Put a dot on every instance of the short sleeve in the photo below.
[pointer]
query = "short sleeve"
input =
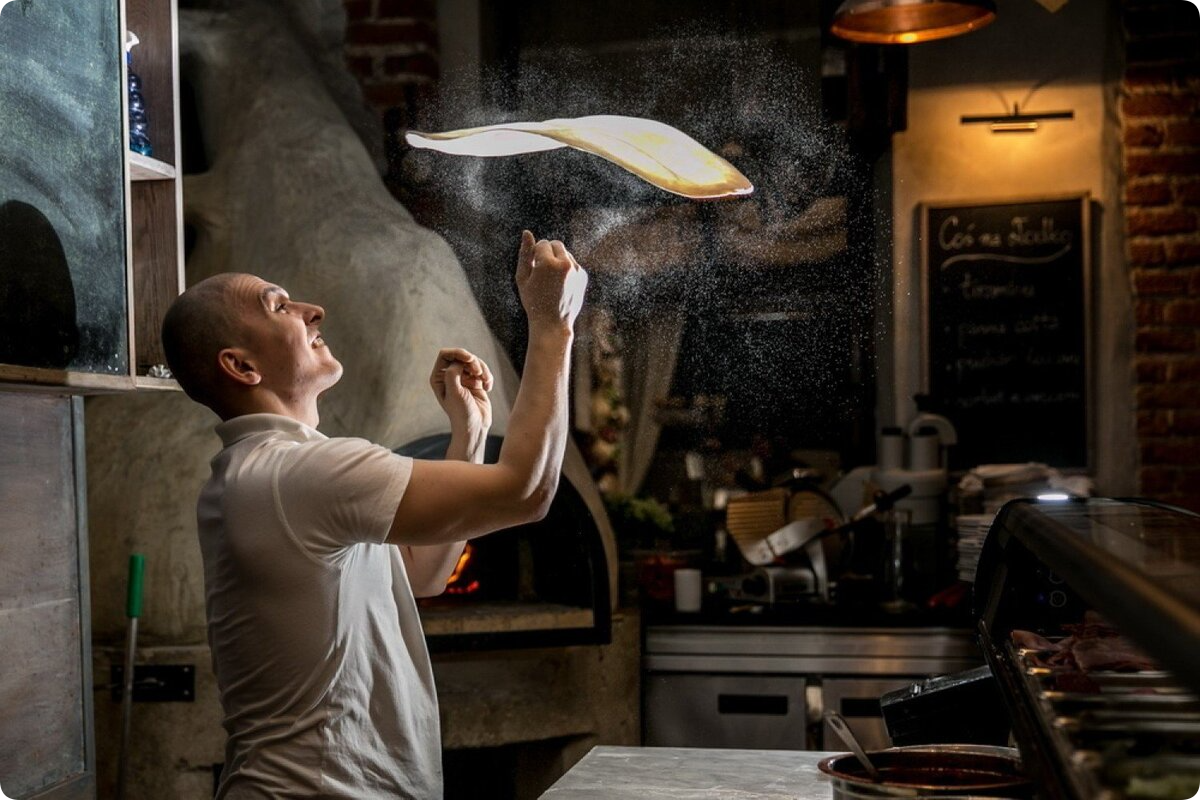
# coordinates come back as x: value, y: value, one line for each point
x: 337, y: 492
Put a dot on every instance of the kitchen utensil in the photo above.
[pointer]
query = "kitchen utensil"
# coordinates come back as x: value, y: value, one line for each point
x: 839, y: 726
x: 133, y: 610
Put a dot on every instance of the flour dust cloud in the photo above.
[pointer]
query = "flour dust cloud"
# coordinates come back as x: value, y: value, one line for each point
x: 776, y: 290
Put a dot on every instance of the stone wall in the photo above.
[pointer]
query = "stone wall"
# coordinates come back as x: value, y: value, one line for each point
x: 1159, y: 107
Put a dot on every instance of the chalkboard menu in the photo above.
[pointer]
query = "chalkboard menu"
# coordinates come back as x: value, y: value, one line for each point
x: 1005, y: 328
x: 62, y: 188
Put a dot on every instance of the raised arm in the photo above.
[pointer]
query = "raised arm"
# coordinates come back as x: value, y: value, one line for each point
x: 448, y: 501
x: 460, y: 381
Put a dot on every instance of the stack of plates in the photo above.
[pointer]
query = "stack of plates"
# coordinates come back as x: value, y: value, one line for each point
x: 972, y: 530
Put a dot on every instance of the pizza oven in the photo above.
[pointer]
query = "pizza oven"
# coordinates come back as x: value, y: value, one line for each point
x: 538, y: 585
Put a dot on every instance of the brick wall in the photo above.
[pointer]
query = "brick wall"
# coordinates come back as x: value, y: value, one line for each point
x: 391, y: 46
x: 1160, y: 113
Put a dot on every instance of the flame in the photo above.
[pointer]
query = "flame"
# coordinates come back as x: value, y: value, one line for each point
x: 456, y: 575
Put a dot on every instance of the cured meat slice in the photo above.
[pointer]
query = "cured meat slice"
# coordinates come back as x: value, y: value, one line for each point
x: 1032, y: 641
x: 659, y: 154
x: 1110, y: 653
x: 1093, y: 645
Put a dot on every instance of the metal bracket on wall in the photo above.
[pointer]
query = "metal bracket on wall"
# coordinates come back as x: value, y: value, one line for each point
x: 156, y: 683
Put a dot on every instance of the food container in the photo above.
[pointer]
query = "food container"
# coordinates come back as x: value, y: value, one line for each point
x: 656, y: 573
x: 932, y: 770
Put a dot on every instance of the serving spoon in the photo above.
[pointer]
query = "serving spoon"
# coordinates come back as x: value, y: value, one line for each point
x: 838, y: 723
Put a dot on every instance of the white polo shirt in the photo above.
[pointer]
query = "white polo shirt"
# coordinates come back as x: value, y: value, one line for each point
x: 316, y: 643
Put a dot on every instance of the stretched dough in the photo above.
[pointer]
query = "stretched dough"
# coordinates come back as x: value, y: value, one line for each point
x: 657, y: 153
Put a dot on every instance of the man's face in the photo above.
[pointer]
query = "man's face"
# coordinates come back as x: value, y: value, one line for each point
x: 283, y: 338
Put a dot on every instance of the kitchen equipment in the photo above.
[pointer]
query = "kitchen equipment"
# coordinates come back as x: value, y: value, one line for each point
x: 891, y: 447
x: 765, y: 686
x: 1096, y: 714
x: 811, y: 542
x: 834, y: 720
x: 927, y: 487
x: 772, y: 585
x: 770, y: 524
x: 943, y: 428
x: 931, y: 711
x: 929, y: 438
x: 931, y: 771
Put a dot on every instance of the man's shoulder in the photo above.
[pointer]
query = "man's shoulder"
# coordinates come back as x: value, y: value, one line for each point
x: 332, y: 456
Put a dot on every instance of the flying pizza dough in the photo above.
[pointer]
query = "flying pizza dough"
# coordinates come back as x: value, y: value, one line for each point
x: 656, y: 153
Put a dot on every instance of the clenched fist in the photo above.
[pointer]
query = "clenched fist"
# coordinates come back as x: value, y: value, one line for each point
x: 551, y: 283
x: 461, y: 381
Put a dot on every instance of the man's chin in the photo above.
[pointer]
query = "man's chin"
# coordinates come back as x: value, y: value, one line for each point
x: 334, y: 374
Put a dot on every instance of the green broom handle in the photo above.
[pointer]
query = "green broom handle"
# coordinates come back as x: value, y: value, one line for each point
x: 133, y: 599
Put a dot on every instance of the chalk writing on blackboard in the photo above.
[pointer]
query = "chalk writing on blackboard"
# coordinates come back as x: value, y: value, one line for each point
x: 1005, y: 323
x: 952, y: 238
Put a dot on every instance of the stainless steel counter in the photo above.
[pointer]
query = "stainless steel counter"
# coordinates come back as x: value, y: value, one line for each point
x: 676, y: 773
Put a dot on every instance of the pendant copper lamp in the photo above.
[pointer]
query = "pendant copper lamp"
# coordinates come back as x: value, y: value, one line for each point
x: 909, y: 21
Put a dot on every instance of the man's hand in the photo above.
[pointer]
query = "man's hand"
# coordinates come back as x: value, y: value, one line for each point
x: 448, y: 501
x: 551, y: 283
x: 461, y: 382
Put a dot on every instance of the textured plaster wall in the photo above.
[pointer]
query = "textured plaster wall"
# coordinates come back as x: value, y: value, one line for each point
x: 1074, y: 55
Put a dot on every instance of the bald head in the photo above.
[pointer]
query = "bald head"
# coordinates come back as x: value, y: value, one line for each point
x: 199, y: 324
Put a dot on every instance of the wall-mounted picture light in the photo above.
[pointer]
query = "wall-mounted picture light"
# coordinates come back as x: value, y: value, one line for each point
x: 1016, y: 122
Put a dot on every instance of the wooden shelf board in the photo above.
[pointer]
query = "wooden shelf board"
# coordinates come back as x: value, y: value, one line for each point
x: 57, y: 381
x: 146, y: 383
x: 144, y: 168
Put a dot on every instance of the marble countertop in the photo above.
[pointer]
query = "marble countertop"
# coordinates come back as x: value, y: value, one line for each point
x: 685, y: 773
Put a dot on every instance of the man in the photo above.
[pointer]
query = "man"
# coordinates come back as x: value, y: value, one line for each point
x: 314, y: 548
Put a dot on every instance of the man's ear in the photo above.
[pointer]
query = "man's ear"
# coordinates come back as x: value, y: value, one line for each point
x: 235, y: 362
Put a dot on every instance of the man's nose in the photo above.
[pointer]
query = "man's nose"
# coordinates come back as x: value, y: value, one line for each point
x: 313, y: 313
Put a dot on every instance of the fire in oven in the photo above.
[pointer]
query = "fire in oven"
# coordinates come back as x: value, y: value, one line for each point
x: 537, y: 585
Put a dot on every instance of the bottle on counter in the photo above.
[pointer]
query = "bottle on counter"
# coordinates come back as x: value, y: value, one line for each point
x: 139, y: 122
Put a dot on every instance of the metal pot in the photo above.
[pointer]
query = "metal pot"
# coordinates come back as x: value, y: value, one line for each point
x: 931, y: 770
